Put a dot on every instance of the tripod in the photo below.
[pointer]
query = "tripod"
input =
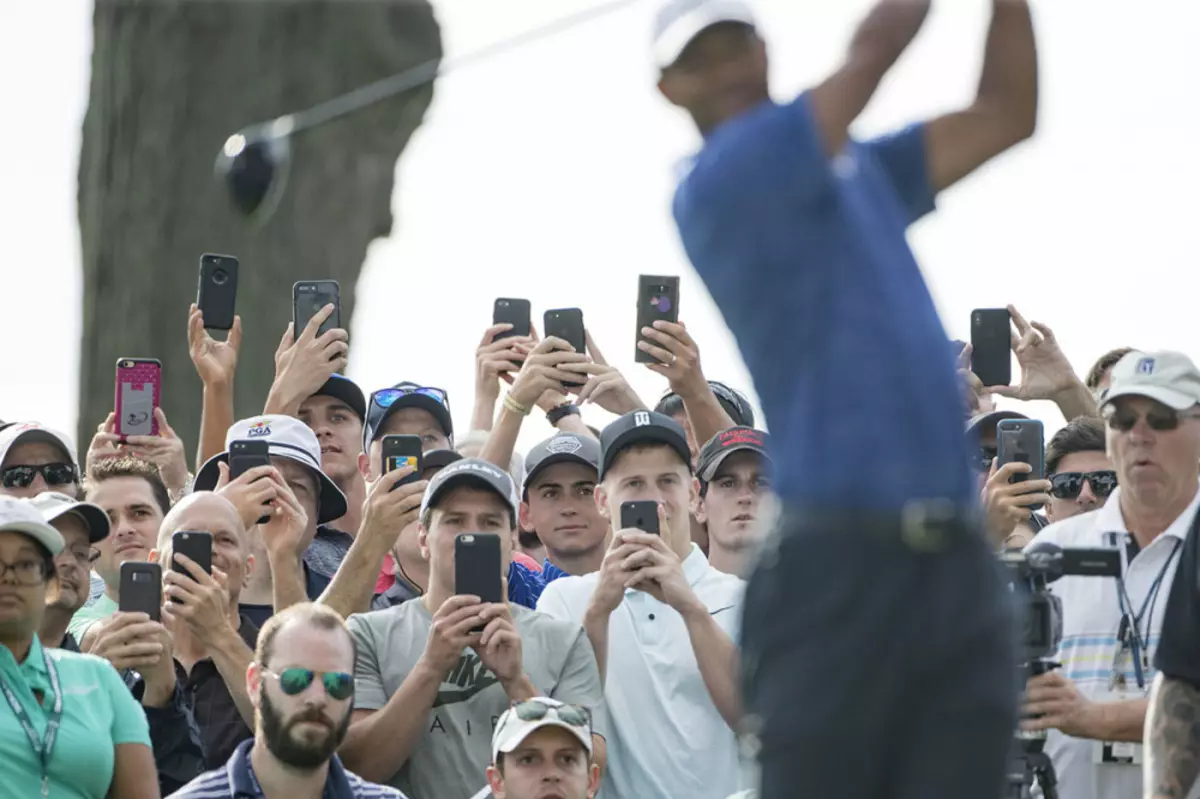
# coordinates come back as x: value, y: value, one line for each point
x: 1027, y: 760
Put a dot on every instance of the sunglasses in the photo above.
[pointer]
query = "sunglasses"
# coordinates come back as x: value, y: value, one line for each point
x: 1159, y: 419
x: 55, y: 474
x: 338, y: 684
x: 571, y: 715
x: 1067, y: 485
x: 386, y: 397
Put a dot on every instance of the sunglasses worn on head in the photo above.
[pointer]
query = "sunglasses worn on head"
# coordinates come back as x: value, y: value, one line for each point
x: 338, y: 684
x: 1159, y: 419
x: 535, y: 710
x: 386, y: 397
x: 1067, y: 485
x: 55, y: 474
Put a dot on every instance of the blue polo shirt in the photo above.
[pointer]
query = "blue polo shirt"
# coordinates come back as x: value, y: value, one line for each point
x: 807, y: 259
x: 236, y: 780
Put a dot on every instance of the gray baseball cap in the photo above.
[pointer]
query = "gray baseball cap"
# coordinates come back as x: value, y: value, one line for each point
x: 561, y: 448
x: 471, y: 471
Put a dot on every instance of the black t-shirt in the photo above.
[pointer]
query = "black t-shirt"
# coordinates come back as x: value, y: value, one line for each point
x: 1178, y: 653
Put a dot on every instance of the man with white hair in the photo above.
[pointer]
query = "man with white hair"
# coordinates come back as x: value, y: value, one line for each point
x: 1094, y: 707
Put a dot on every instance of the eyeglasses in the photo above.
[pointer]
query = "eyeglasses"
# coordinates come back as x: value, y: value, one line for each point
x: 338, y: 684
x: 571, y: 715
x: 1159, y: 419
x: 386, y: 397
x: 55, y: 474
x: 1067, y: 485
x: 27, y: 572
x: 982, y: 460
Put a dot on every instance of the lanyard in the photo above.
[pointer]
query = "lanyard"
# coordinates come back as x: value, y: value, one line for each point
x: 1129, y: 633
x: 44, y: 748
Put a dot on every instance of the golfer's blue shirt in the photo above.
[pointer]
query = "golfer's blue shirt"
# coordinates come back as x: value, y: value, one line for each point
x: 807, y: 259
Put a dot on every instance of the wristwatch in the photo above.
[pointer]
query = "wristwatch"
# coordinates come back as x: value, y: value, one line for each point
x: 556, y: 415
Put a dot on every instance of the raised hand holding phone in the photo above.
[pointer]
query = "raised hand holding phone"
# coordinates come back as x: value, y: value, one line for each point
x: 606, y: 385
x: 304, y: 361
x: 676, y: 357
x: 215, y: 361
x: 542, y: 372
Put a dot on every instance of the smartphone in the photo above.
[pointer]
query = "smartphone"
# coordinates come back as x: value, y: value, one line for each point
x: 139, y: 392
x: 658, y: 300
x: 477, y: 566
x: 991, y: 346
x: 1022, y: 440
x: 641, y: 515
x: 400, y: 451
x: 196, y: 545
x: 244, y: 456
x: 141, y: 589
x: 567, y: 324
x: 310, y: 296
x: 216, y: 295
x: 508, y: 310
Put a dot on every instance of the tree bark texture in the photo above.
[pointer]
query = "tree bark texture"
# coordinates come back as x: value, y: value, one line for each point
x: 171, y: 80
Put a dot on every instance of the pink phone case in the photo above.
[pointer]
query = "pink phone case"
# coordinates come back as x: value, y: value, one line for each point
x: 139, y: 387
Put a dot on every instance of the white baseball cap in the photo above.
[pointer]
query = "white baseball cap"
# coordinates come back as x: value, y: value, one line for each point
x: 1167, y: 377
x: 519, y: 721
x: 286, y: 437
x: 21, y: 516
x: 680, y: 21
x: 33, y: 431
x: 53, y: 504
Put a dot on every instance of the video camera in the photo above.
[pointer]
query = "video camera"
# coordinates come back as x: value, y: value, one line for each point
x: 1031, y: 573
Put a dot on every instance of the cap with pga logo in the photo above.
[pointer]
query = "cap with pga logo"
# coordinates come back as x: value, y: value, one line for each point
x: 562, y: 448
x: 680, y: 21
x: 471, y: 471
x: 1167, y: 377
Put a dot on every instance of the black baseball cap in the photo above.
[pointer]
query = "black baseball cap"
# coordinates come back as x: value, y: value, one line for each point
x: 561, y: 448
x: 471, y: 471
x: 642, y: 427
x: 439, y: 458
x: 346, y: 390
x: 725, y: 443
x: 386, y: 401
x: 732, y: 401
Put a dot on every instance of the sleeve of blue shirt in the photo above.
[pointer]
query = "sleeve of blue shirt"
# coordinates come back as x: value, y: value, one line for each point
x: 524, y: 585
x: 129, y: 724
x: 902, y: 156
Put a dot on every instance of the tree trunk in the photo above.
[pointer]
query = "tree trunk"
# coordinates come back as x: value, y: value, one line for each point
x: 170, y: 81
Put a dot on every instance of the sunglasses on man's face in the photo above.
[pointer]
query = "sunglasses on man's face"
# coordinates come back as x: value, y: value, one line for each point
x: 55, y: 474
x: 1159, y: 419
x: 338, y: 684
x: 1067, y: 485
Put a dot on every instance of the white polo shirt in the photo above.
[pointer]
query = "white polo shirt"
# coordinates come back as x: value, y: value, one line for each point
x: 1091, y: 620
x: 666, y: 739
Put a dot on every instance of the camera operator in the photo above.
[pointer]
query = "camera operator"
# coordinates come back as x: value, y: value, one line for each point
x: 1095, y: 706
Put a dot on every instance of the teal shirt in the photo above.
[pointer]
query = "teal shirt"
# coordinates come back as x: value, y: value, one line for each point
x: 85, y: 617
x: 98, y: 713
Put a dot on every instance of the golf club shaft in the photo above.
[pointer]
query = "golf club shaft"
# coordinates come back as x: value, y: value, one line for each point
x: 427, y: 72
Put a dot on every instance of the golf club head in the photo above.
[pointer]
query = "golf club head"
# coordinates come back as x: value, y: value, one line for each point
x: 254, y: 165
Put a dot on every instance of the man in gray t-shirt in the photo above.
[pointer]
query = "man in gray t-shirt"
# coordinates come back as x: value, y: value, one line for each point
x: 428, y: 691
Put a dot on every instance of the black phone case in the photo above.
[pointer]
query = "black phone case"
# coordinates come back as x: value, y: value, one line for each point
x: 141, y: 589
x: 395, y: 450
x: 516, y: 312
x: 196, y: 544
x: 216, y: 295
x: 658, y: 300
x: 246, y: 455
x: 641, y: 515
x: 991, y: 346
x: 477, y: 566
x: 310, y: 296
x: 567, y: 324
x: 1022, y: 440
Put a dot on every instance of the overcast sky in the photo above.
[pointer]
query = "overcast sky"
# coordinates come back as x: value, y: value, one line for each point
x: 547, y: 174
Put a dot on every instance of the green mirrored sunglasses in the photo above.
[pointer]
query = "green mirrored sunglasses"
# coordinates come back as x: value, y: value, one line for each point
x: 338, y: 684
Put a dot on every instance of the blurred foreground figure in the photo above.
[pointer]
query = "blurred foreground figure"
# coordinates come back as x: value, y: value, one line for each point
x: 876, y: 630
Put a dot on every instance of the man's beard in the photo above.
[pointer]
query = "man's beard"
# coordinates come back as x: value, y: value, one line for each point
x: 291, y: 751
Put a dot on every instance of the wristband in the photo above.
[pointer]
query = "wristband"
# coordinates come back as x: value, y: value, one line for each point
x: 514, y: 406
x: 556, y: 415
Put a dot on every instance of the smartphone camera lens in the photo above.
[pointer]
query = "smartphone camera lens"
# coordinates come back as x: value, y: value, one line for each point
x: 141, y: 577
x: 503, y: 303
x: 220, y: 277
